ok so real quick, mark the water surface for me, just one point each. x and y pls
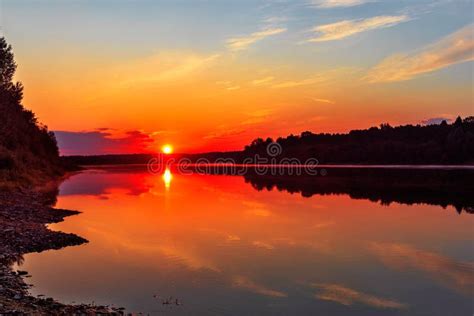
(222, 247)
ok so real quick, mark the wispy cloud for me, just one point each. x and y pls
(253, 119)
(256, 117)
(347, 296)
(241, 43)
(246, 283)
(275, 20)
(163, 67)
(454, 274)
(229, 85)
(346, 28)
(225, 133)
(232, 88)
(297, 83)
(338, 3)
(262, 244)
(323, 101)
(232, 238)
(324, 77)
(453, 49)
(262, 81)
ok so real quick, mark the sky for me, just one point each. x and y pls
(123, 76)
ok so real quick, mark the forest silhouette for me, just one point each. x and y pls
(409, 144)
(28, 151)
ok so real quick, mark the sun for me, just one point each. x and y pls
(167, 149)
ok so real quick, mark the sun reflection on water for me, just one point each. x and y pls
(167, 177)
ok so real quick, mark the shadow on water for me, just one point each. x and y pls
(408, 186)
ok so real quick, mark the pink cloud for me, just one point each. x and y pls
(103, 141)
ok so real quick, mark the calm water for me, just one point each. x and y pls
(224, 248)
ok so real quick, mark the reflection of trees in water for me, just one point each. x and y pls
(407, 186)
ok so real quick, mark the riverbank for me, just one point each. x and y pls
(23, 218)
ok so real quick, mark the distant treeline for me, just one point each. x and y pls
(146, 158)
(28, 151)
(126, 159)
(432, 144)
(409, 144)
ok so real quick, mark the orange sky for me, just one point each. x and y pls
(159, 73)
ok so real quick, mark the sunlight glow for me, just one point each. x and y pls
(167, 149)
(167, 177)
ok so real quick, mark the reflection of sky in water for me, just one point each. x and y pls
(222, 247)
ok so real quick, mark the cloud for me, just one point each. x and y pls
(297, 83)
(435, 121)
(232, 88)
(275, 20)
(262, 112)
(185, 256)
(102, 142)
(241, 43)
(246, 283)
(322, 246)
(327, 4)
(457, 275)
(233, 238)
(453, 49)
(262, 244)
(325, 77)
(323, 101)
(347, 296)
(163, 67)
(262, 81)
(346, 28)
(225, 133)
(229, 85)
(162, 132)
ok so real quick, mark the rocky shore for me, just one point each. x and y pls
(23, 219)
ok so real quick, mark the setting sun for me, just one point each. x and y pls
(167, 149)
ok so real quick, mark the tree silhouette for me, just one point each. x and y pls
(28, 151)
(432, 144)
